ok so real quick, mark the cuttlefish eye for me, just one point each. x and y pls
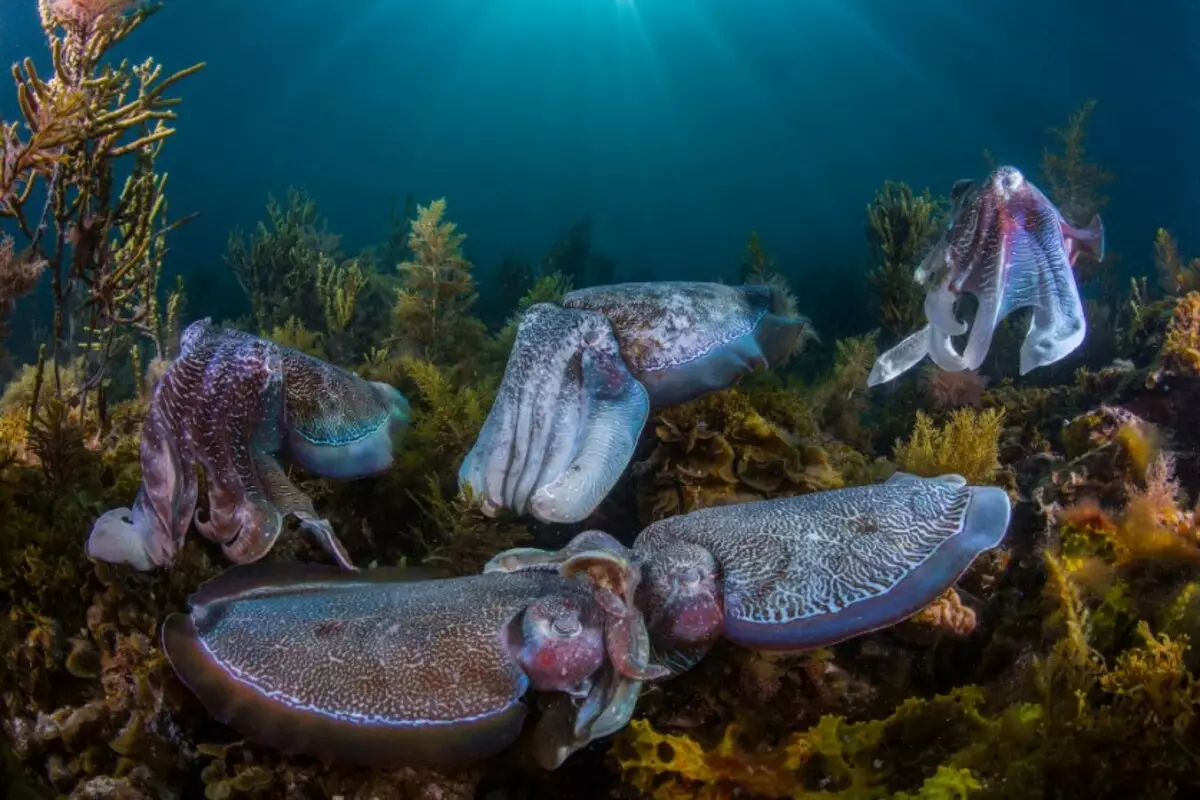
(688, 576)
(561, 643)
(591, 338)
(567, 625)
(681, 597)
(1007, 180)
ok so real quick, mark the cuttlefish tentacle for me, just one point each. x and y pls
(1009, 246)
(613, 577)
(371, 668)
(229, 404)
(814, 570)
(582, 377)
(564, 726)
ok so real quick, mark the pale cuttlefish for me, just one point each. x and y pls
(230, 404)
(383, 668)
(1007, 245)
(583, 376)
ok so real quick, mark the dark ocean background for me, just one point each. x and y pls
(676, 126)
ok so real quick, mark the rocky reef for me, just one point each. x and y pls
(1061, 665)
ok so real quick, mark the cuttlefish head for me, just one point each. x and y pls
(565, 421)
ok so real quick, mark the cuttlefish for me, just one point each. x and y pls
(382, 667)
(1009, 246)
(231, 403)
(583, 376)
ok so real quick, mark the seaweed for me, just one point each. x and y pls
(901, 226)
(432, 317)
(967, 445)
(719, 450)
(102, 239)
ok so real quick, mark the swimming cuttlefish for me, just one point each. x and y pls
(1007, 245)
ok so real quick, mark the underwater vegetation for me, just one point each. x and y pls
(930, 658)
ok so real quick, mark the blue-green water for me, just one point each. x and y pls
(677, 126)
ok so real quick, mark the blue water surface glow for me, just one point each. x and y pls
(678, 126)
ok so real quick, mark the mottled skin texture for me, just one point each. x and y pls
(373, 668)
(382, 668)
(666, 325)
(614, 578)
(1011, 248)
(802, 572)
(230, 403)
(565, 417)
(583, 376)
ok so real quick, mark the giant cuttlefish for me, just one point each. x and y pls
(583, 376)
(379, 668)
(229, 404)
(1010, 247)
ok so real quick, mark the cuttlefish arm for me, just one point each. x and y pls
(582, 377)
(373, 668)
(564, 726)
(240, 397)
(811, 571)
(565, 422)
(148, 534)
(614, 577)
(901, 358)
(1049, 246)
(290, 501)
